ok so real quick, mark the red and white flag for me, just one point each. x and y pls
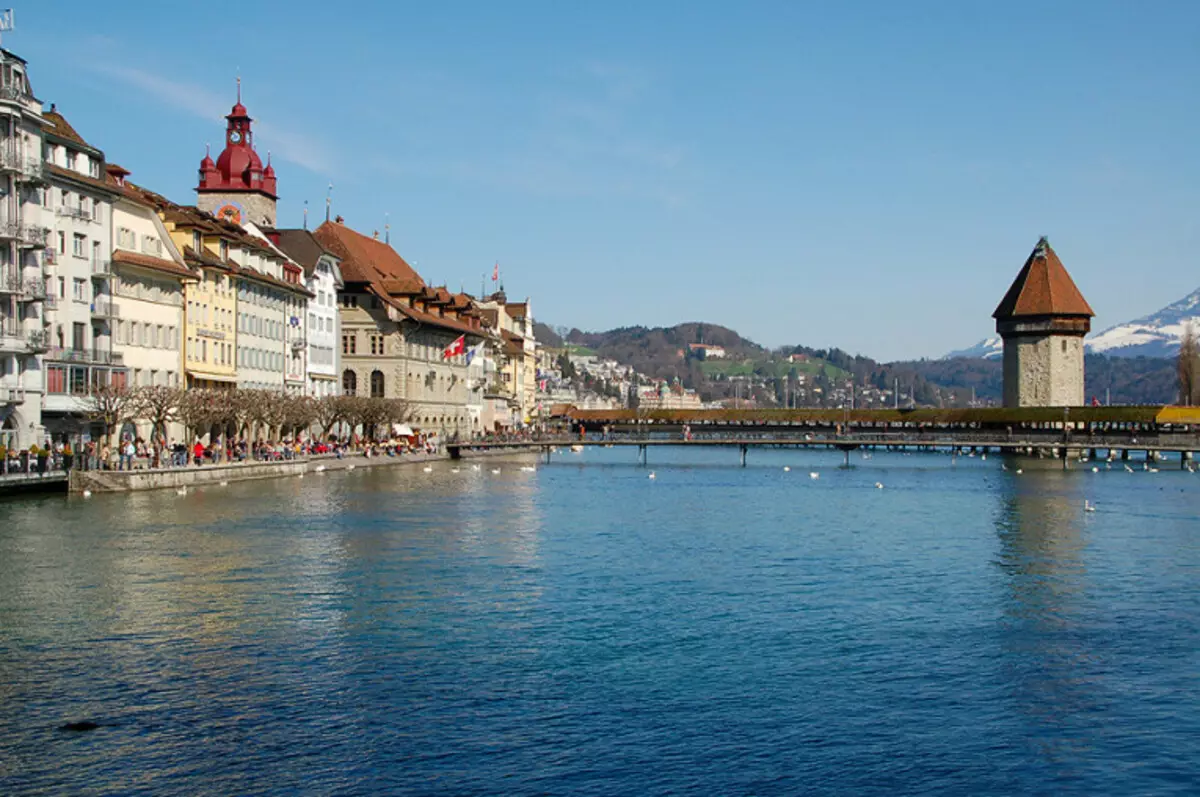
(454, 349)
(496, 271)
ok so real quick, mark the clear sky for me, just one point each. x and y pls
(866, 175)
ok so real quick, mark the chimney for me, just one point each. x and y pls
(339, 220)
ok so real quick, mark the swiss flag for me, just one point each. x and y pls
(496, 271)
(454, 349)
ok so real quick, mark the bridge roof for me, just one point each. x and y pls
(991, 416)
(1043, 288)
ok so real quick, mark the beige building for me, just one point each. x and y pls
(1043, 319)
(396, 331)
(517, 364)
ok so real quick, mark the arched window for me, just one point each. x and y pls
(377, 384)
(349, 382)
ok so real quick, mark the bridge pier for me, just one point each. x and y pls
(744, 449)
(643, 455)
(546, 450)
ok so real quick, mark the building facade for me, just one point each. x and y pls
(396, 330)
(322, 326)
(148, 281)
(1043, 319)
(24, 237)
(81, 354)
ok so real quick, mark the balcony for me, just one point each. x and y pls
(26, 235)
(50, 301)
(103, 307)
(34, 290)
(74, 213)
(10, 282)
(101, 268)
(298, 343)
(38, 341)
(94, 356)
(12, 395)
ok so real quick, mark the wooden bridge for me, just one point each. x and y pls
(1064, 433)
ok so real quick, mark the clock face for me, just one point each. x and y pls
(230, 211)
(235, 136)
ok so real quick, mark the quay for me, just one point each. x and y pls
(1064, 433)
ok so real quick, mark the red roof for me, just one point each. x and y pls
(1043, 288)
(124, 256)
(368, 259)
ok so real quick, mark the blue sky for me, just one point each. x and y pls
(865, 175)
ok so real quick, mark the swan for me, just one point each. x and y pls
(1019, 471)
(495, 470)
(528, 469)
(87, 493)
(1088, 506)
(814, 475)
(454, 470)
(181, 490)
(320, 469)
(299, 475)
(982, 457)
(224, 484)
(427, 469)
(787, 469)
(1095, 469)
(1128, 469)
(349, 467)
(475, 468)
(650, 475)
(878, 485)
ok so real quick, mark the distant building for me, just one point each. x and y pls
(1043, 319)
(664, 396)
(706, 351)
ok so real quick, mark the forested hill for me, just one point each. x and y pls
(662, 353)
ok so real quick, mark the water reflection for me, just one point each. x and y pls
(1049, 660)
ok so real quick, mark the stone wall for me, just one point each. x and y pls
(125, 481)
(1043, 371)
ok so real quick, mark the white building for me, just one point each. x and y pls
(148, 281)
(80, 354)
(322, 325)
(23, 239)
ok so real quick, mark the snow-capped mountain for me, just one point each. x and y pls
(989, 349)
(1155, 335)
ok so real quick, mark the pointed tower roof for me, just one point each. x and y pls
(1043, 288)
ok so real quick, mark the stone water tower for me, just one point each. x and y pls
(1043, 320)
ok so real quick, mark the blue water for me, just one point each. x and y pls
(587, 630)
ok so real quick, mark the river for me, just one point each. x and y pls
(584, 629)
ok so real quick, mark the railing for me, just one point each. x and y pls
(15, 94)
(298, 343)
(34, 290)
(38, 341)
(93, 356)
(74, 212)
(30, 170)
(10, 283)
(26, 234)
(105, 308)
(50, 301)
(101, 268)
(12, 395)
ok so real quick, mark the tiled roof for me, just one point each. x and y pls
(206, 258)
(57, 125)
(85, 179)
(1043, 288)
(301, 246)
(423, 317)
(368, 260)
(123, 256)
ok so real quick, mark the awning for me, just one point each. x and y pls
(402, 429)
(211, 377)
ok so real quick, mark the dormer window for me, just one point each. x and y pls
(197, 241)
(224, 250)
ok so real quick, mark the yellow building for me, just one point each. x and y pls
(209, 347)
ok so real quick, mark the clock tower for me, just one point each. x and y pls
(237, 187)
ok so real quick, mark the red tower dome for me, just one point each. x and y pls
(238, 167)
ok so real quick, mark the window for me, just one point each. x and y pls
(79, 290)
(66, 198)
(349, 344)
(377, 344)
(1064, 345)
(224, 250)
(56, 379)
(349, 382)
(79, 245)
(377, 384)
(197, 242)
(120, 331)
(62, 242)
(79, 381)
(204, 350)
(349, 300)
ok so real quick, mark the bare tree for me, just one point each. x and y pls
(329, 411)
(199, 409)
(159, 405)
(299, 414)
(110, 405)
(1189, 367)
